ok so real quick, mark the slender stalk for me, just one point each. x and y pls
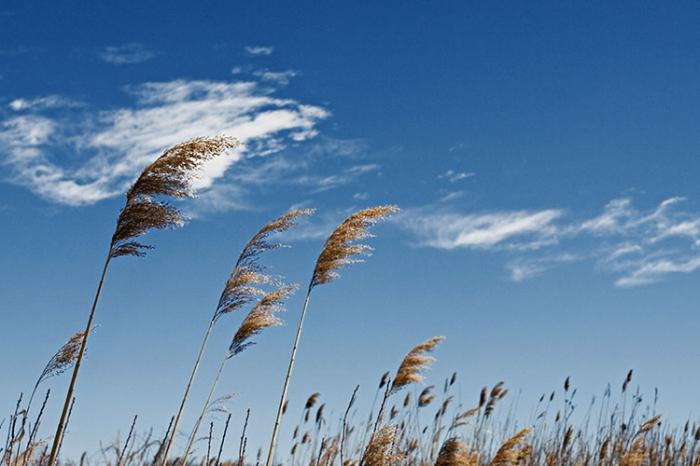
(178, 416)
(241, 445)
(193, 435)
(223, 439)
(345, 423)
(58, 436)
(290, 368)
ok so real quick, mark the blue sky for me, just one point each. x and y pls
(545, 158)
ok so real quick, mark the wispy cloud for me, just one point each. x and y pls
(450, 230)
(278, 77)
(112, 146)
(453, 176)
(42, 103)
(259, 50)
(638, 247)
(126, 54)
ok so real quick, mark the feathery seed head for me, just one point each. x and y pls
(169, 175)
(243, 282)
(379, 451)
(509, 453)
(64, 358)
(455, 453)
(340, 248)
(415, 362)
(263, 315)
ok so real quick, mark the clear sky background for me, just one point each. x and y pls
(546, 158)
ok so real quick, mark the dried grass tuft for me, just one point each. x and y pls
(170, 176)
(415, 362)
(340, 248)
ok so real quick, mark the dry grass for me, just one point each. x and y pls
(428, 426)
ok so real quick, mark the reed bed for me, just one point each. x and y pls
(410, 422)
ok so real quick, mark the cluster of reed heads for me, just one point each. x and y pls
(408, 423)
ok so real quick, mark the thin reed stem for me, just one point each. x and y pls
(290, 368)
(193, 435)
(58, 436)
(178, 416)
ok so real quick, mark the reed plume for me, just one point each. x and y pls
(380, 450)
(339, 250)
(242, 286)
(412, 367)
(455, 453)
(509, 454)
(263, 315)
(168, 176)
(60, 362)
(410, 371)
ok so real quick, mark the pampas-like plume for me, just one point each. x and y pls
(509, 454)
(262, 315)
(379, 451)
(411, 368)
(339, 250)
(64, 358)
(170, 176)
(409, 371)
(455, 453)
(242, 287)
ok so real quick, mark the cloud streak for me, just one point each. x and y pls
(639, 247)
(113, 145)
(126, 54)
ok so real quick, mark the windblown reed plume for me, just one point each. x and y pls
(380, 450)
(170, 176)
(263, 315)
(241, 288)
(410, 371)
(412, 367)
(339, 250)
(60, 362)
(509, 454)
(455, 453)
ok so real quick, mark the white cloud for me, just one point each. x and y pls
(126, 54)
(453, 176)
(449, 230)
(259, 50)
(281, 78)
(112, 146)
(41, 103)
(639, 247)
(654, 271)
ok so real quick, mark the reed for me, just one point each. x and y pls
(168, 176)
(263, 315)
(340, 249)
(242, 287)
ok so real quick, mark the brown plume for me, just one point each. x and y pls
(340, 248)
(410, 370)
(509, 454)
(242, 284)
(455, 453)
(262, 316)
(169, 175)
(64, 358)
(379, 451)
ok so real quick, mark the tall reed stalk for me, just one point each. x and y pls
(263, 315)
(169, 175)
(339, 250)
(241, 288)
